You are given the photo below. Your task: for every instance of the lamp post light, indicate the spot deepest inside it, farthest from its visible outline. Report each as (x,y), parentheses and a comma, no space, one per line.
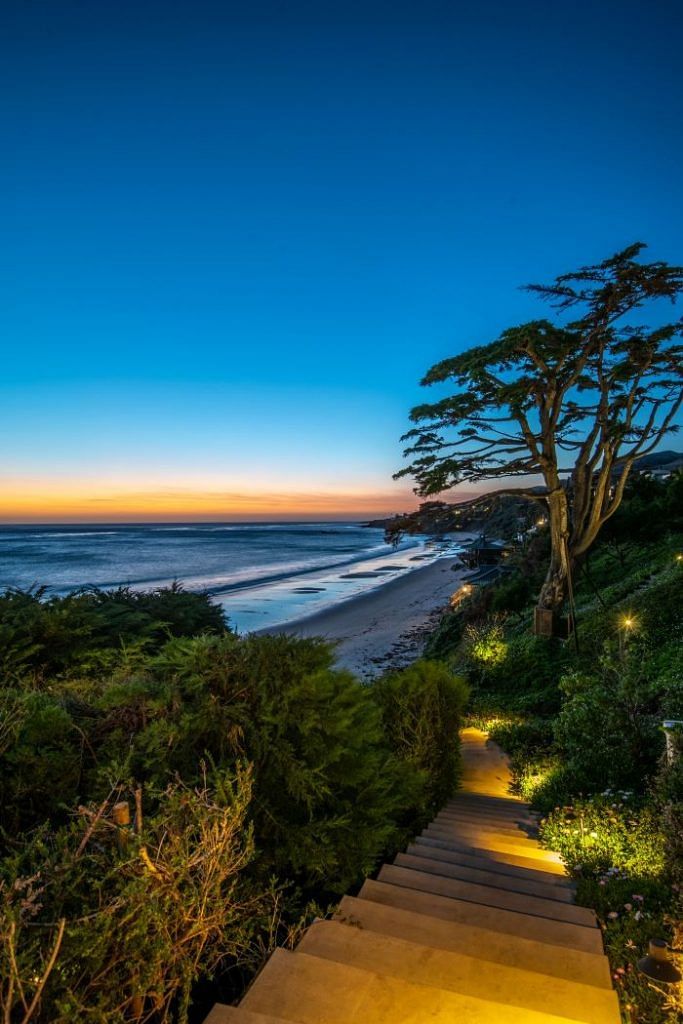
(626,625)
(658,965)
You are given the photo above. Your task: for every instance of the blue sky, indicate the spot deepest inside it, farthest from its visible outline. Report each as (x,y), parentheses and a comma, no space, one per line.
(236,235)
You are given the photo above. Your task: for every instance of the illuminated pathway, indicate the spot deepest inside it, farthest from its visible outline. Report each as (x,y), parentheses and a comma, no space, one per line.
(474,923)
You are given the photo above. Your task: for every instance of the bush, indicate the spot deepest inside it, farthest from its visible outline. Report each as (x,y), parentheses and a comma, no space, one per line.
(131,928)
(513,595)
(443,642)
(422,708)
(52,636)
(523,671)
(609,832)
(329,791)
(608,731)
(330,786)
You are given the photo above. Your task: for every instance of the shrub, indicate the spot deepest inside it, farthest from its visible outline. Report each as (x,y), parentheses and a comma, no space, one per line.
(485,647)
(422,708)
(329,791)
(51,636)
(329,786)
(523,671)
(40,769)
(513,595)
(130,928)
(608,730)
(443,642)
(610,832)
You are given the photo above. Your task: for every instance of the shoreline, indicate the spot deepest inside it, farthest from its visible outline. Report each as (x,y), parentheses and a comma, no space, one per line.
(384,628)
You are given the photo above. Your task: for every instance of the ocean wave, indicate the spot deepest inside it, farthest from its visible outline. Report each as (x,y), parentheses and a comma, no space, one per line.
(55,535)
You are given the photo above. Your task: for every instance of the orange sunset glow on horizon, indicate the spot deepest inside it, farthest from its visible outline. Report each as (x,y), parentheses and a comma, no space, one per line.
(50,502)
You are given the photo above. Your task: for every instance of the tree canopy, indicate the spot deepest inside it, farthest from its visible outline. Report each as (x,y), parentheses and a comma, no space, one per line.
(576,400)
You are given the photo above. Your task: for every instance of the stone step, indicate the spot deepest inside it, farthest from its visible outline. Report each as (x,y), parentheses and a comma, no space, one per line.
(486,814)
(550,862)
(508,835)
(427,901)
(457,972)
(312,990)
(514,814)
(483,863)
(493,803)
(525,830)
(472,940)
(413,876)
(464,874)
(221,1014)
(525,848)
(505,817)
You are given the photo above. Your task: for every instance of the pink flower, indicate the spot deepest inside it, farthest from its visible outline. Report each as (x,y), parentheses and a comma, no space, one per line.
(613,915)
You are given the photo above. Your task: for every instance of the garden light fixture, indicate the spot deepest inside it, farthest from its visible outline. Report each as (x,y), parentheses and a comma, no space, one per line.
(627,623)
(658,966)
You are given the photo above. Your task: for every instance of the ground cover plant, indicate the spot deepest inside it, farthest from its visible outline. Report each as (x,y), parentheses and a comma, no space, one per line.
(175,798)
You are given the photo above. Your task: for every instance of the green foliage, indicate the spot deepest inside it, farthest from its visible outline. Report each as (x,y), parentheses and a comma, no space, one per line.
(40,769)
(133,926)
(608,728)
(422,708)
(49,636)
(269,778)
(485,647)
(618,852)
(513,595)
(520,671)
(648,501)
(443,641)
(610,832)
(328,787)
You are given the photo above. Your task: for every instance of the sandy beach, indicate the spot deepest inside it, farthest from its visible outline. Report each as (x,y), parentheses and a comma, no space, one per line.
(387,627)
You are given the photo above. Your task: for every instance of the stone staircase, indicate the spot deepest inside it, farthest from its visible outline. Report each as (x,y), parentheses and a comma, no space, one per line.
(473,923)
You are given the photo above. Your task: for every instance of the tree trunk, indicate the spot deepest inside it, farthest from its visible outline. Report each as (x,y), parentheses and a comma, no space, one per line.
(554,590)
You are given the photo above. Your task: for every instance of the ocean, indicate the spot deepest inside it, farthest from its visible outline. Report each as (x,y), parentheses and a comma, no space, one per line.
(263,574)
